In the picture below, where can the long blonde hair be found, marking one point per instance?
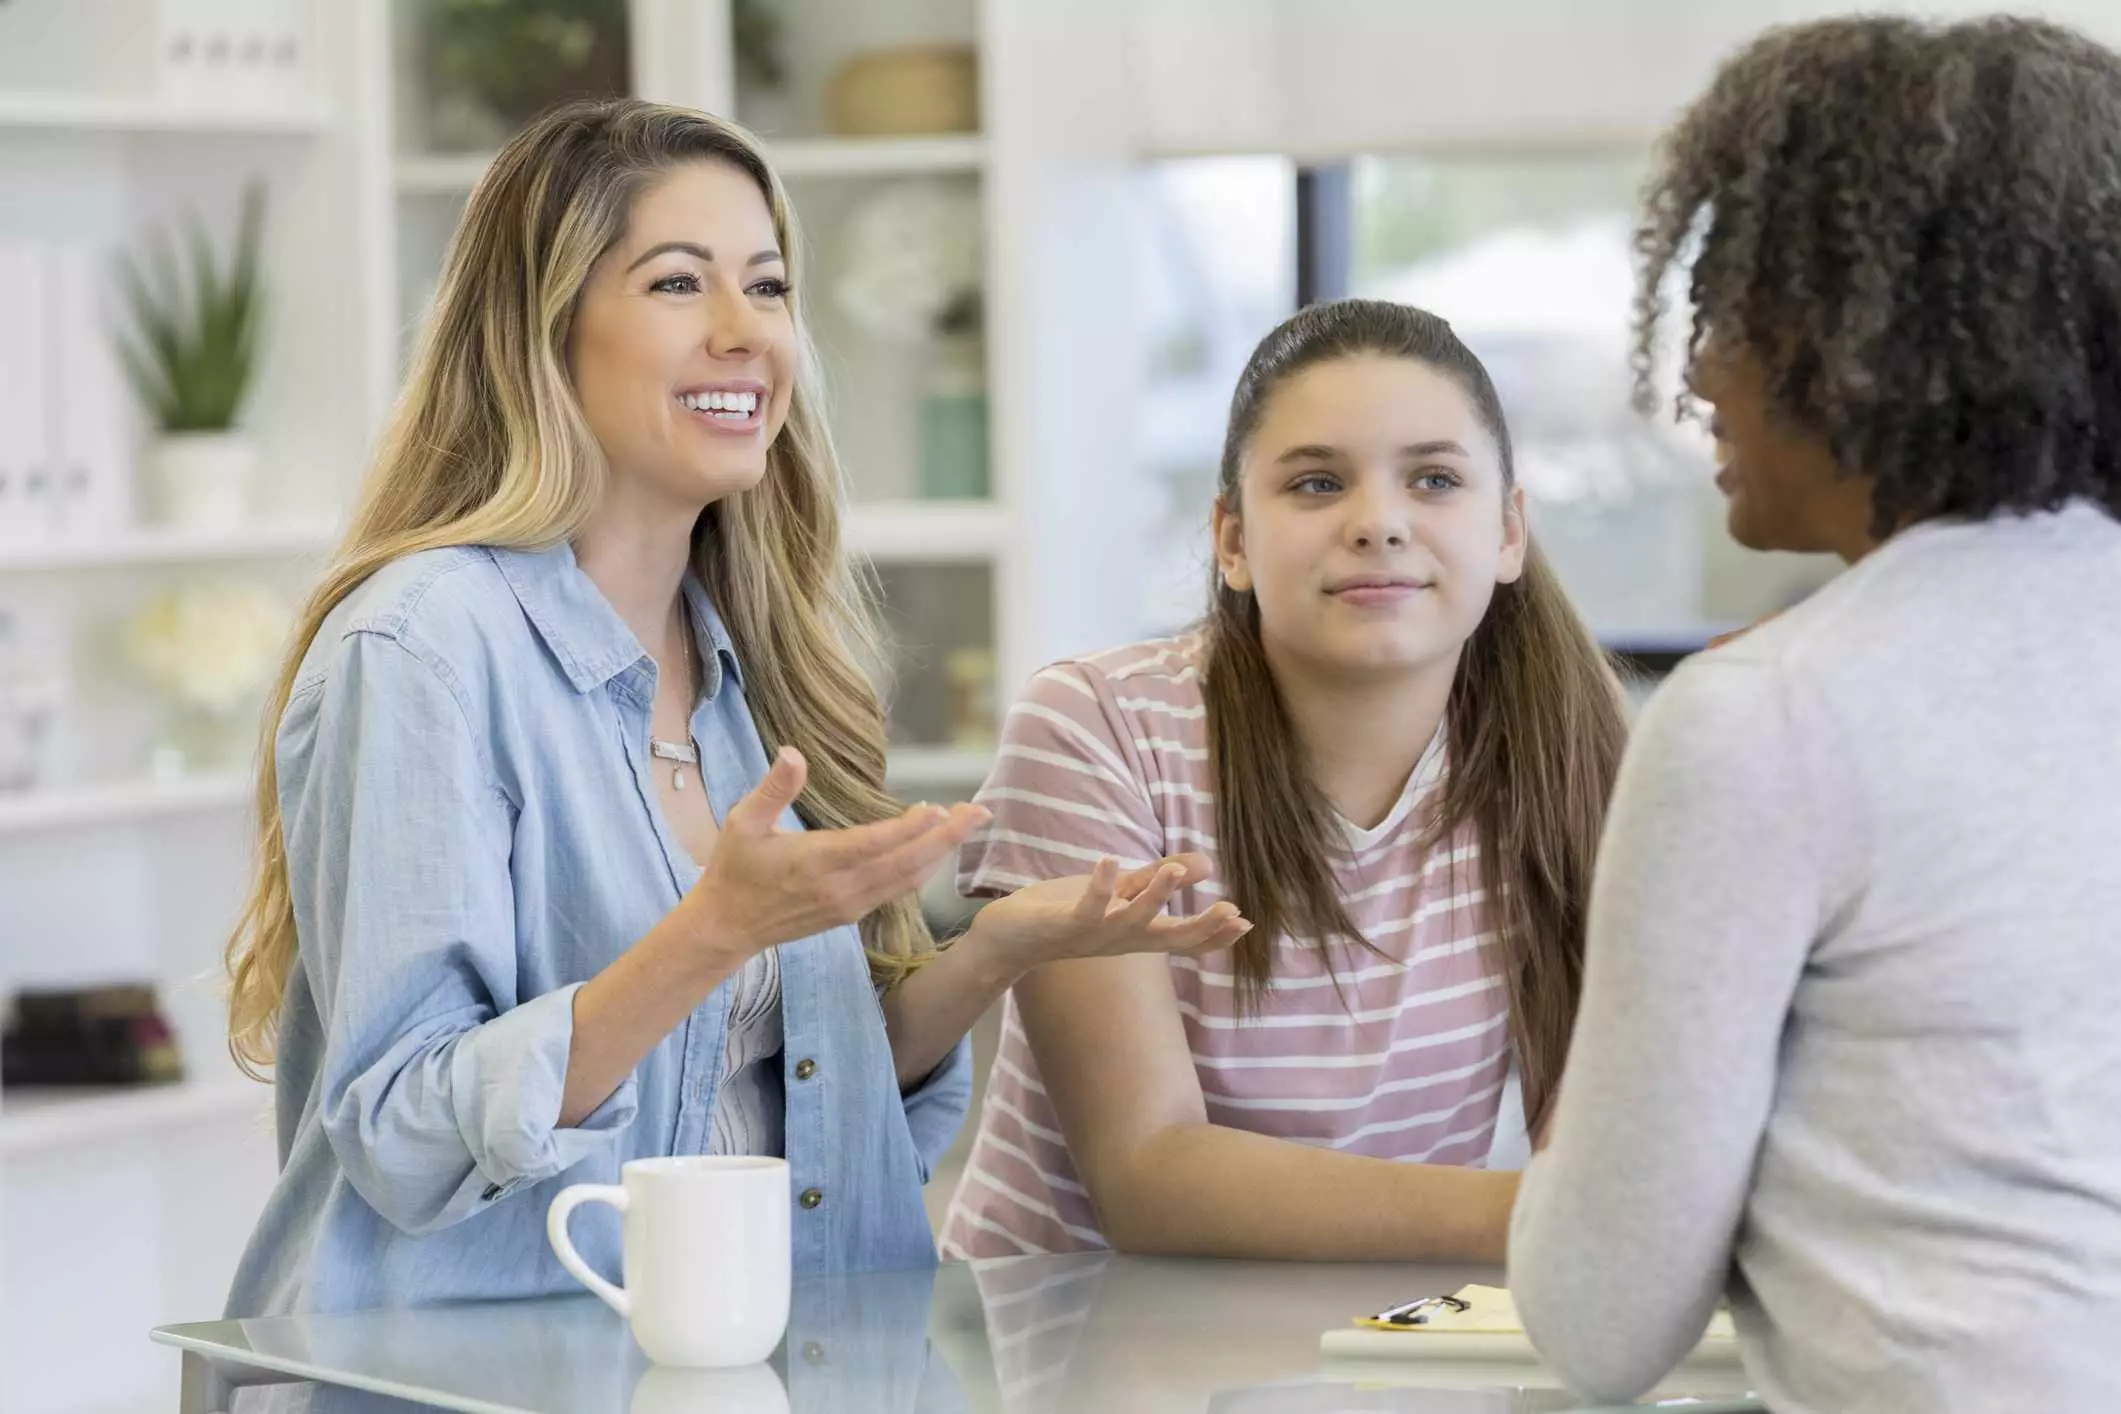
(488, 446)
(1535, 731)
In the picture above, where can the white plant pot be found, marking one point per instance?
(201, 480)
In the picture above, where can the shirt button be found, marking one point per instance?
(813, 1353)
(805, 1068)
(811, 1198)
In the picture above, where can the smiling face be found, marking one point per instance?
(1783, 488)
(684, 348)
(1373, 519)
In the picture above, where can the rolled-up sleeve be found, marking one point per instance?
(441, 1085)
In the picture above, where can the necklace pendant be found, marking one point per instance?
(677, 779)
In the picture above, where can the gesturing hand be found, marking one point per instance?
(764, 885)
(1107, 914)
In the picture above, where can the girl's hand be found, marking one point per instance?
(1106, 914)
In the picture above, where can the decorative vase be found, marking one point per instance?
(201, 480)
(973, 720)
(32, 696)
(196, 740)
(953, 424)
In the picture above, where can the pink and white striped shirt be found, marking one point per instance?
(1108, 755)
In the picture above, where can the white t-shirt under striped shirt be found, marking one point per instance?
(1108, 755)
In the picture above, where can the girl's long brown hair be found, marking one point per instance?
(488, 446)
(1535, 730)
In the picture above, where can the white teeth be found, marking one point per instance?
(739, 404)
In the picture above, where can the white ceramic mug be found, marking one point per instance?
(707, 1251)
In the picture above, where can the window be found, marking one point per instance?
(1530, 259)
(1218, 271)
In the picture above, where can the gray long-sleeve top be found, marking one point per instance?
(1850, 1045)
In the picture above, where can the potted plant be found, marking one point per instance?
(191, 359)
(493, 65)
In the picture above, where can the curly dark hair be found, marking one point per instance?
(1916, 229)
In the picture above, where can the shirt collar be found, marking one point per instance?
(587, 636)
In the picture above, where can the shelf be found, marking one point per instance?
(878, 157)
(926, 532)
(441, 175)
(39, 1120)
(455, 174)
(119, 802)
(88, 112)
(915, 766)
(151, 546)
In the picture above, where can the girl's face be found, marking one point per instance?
(683, 351)
(1372, 522)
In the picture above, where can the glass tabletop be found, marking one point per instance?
(1032, 1335)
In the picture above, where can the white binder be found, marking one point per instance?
(26, 475)
(93, 406)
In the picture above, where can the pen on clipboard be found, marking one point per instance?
(1408, 1315)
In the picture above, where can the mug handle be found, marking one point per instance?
(570, 1198)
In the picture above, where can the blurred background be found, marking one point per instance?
(1040, 241)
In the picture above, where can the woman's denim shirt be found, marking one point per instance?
(472, 832)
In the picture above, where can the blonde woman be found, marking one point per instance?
(574, 846)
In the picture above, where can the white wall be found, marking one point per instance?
(1321, 77)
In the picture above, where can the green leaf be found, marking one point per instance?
(197, 331)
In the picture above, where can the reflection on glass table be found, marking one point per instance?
(1034, 1335)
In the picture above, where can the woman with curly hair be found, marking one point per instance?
(1846, 1050)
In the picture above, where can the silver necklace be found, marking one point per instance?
(682, 753)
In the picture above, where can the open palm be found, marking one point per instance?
(1106, 913)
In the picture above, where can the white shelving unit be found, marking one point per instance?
(119, 802)
(877, 157)
(144, 1197)
(914, 768)
(440, 175)
(48, 1121)
(934, 532)
(63, 112)
(140, 878)
(152, 546)
(457, 174)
